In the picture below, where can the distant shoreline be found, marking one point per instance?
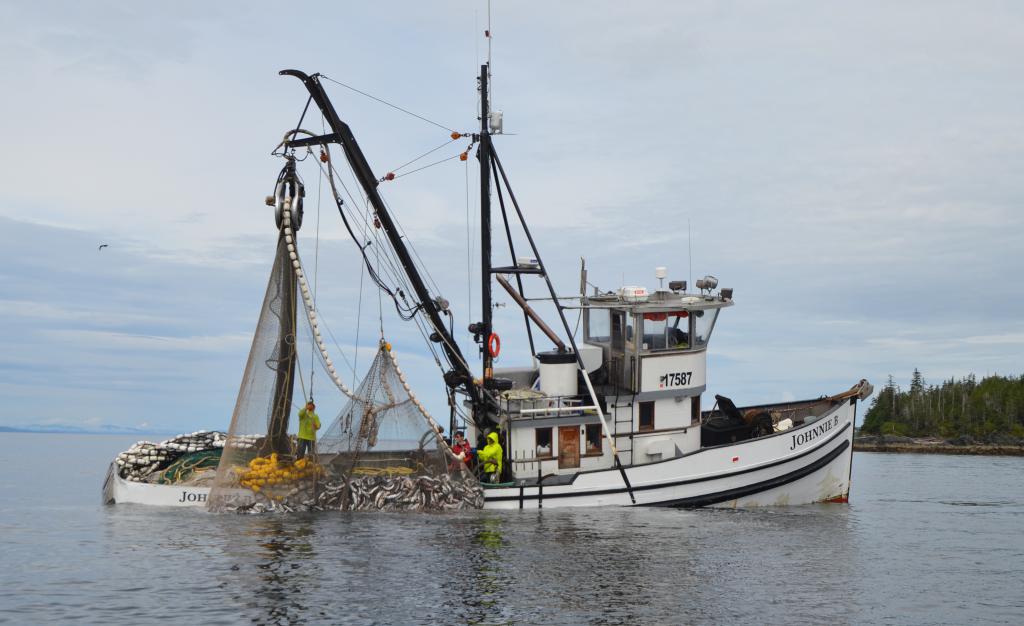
(934, 446)
(68, 431)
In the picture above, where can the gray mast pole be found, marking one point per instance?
(484, 156)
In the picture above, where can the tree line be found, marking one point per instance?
(990, 408)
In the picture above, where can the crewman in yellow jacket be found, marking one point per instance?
(491, 458)
(309, 423)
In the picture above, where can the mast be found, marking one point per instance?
(342, 135)
(289, 195)
(484, 156)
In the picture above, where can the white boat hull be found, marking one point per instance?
(800, 466)
(117, 490)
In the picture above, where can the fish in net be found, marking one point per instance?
(382, 452)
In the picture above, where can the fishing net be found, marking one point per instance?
(184, 459)
(382, 452)
(258, 436)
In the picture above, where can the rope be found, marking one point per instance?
(420, 169)
(359, 317)
(182, 469)
(316, 250)
(383, 471)
(393, 106)
(428, 152)
(307, 300)
(434, 426)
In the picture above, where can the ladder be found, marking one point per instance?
(623, 427)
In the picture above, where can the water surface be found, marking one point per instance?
(926, 539)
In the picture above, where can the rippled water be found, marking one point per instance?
(925, 539)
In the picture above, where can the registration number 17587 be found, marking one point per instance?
(675, 379)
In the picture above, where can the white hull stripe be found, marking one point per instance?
(689, 481)
(749, 490)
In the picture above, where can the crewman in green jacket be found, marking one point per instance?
(491, 458)
(309, 423)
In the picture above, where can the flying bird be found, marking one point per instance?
(102, 245)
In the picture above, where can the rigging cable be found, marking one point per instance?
(316, 254)
(406, 315)
(420, 169)
(455, 137)
(359, 317)
(422, 267)
(393, 106)
(399, 276)
(395, 275)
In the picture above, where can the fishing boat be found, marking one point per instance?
(616, 416)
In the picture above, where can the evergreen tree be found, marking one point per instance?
(990, 409)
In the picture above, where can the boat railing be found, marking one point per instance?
(544, 407)
(526, 460)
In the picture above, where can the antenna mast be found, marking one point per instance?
(484, 329)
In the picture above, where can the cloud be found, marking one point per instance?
(100, 340)
(852, 172)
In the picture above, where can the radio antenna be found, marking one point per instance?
(689, 250)
(489, 72)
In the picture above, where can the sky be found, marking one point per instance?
(851, 170)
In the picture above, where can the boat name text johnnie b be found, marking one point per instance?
(192, 496)
(800, 439)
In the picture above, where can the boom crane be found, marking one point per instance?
(483, 402)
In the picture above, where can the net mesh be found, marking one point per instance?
(381, 452)
(259, 425)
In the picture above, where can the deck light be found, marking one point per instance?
(677, 285)
(707, 283)
(727, 293)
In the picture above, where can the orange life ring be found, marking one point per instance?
(494, 345)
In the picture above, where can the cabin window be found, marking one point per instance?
(654, 331)
(599, 328)
(703, 323)
(668, 330)
(543, 444)
(594, 439)
(618, 321)
(678, 332)
(695, 410)
(646, 416)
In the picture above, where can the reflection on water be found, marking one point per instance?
(915, 529)
(491, 575)
(287, 569)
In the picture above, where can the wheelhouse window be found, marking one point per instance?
(599, 327)
(543, 442)
(703, 324)
(646, 416)
(619, 330)
(654, 331)
(666, 330)
(594, 439)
